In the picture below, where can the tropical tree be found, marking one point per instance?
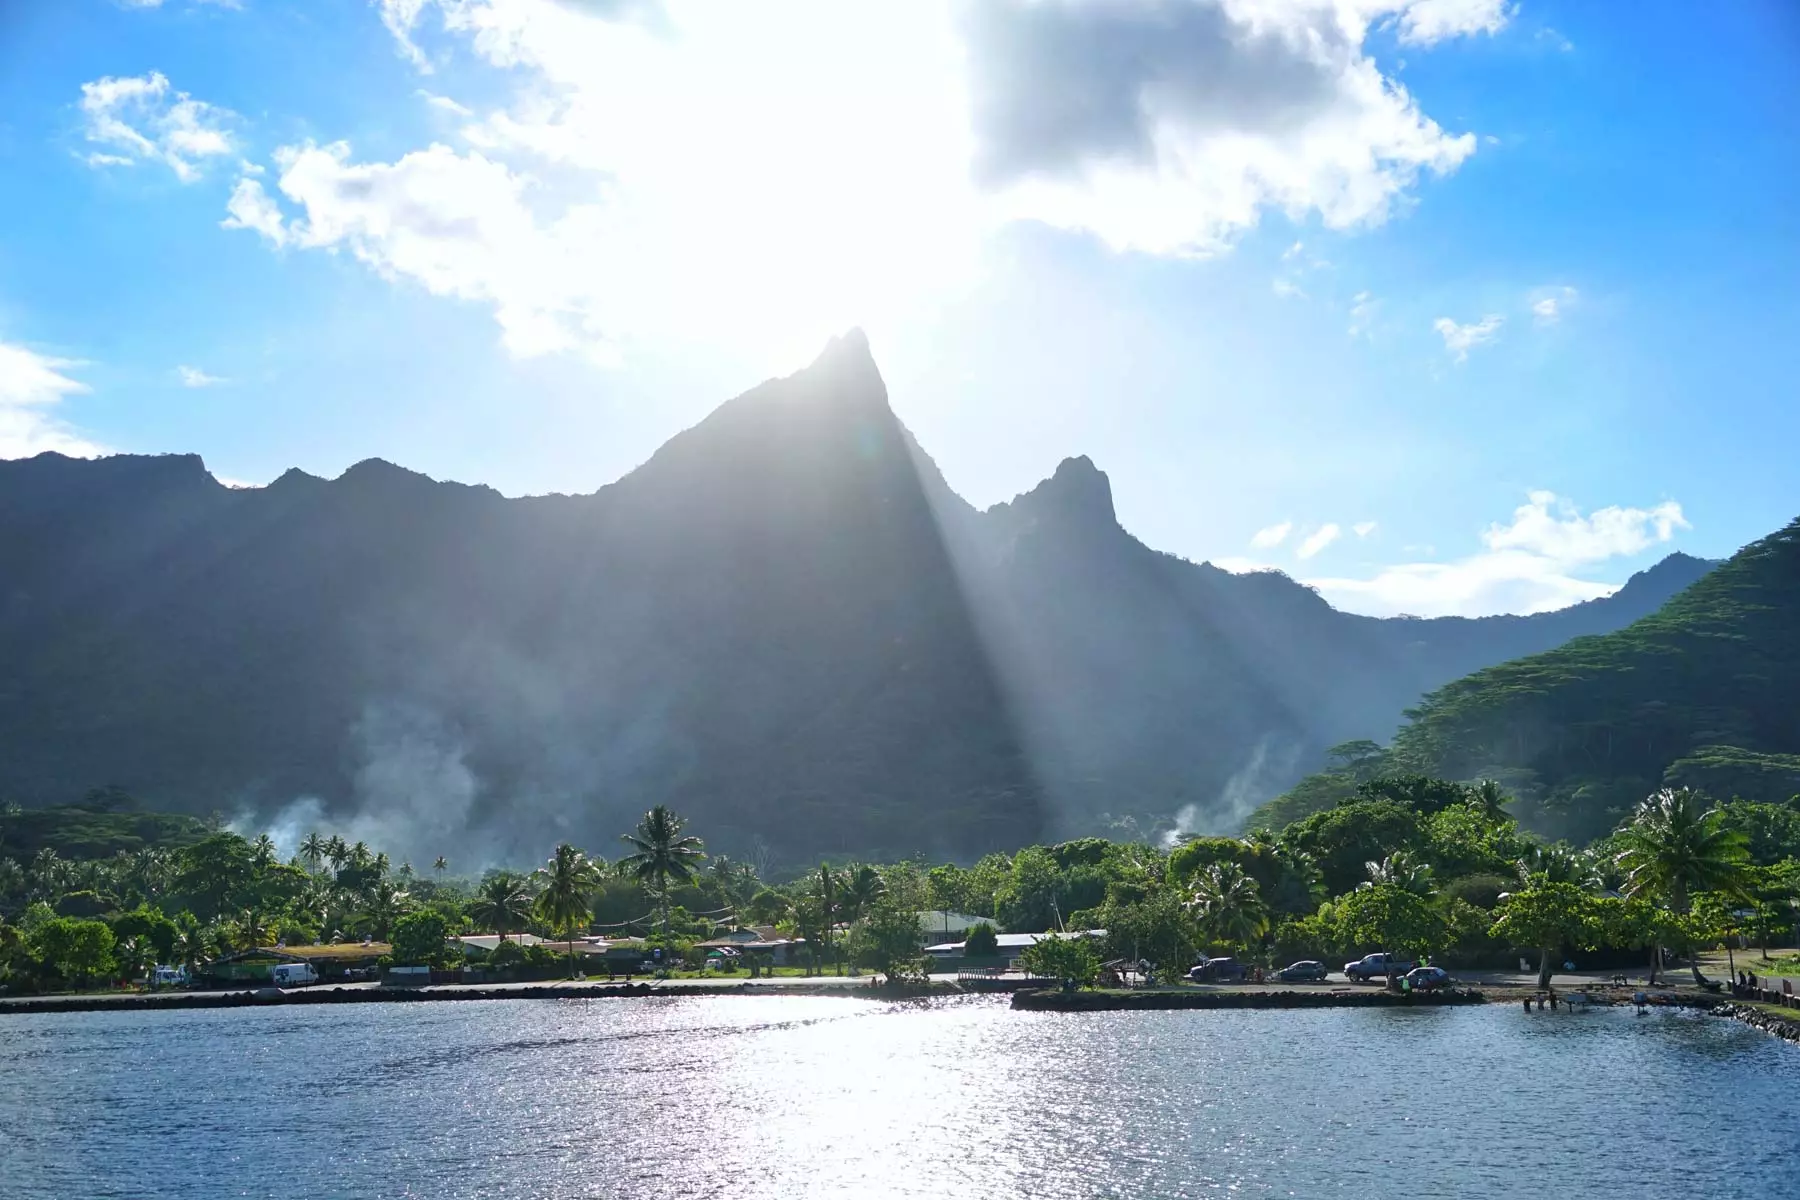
(313, 851)
(440, 865)
(385, 903)
(1227, 906)
(1402, 869)
(1547, 914)
(502, 903)
(1055, 956)
(1672, 848)
(662, 855)
(1390, 918)
(863, 886)
(337, 853)
(567, 884)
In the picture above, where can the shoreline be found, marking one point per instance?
(1158, 1000)
(272, 997)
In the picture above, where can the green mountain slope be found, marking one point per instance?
(1701, 693)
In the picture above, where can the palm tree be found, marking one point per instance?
(863, 886)
(828, 909)
(385, 904)
(569, 882)
(1402, 870)
(502, 903)
(194, 943)
(1671, 848)
(313, 850)
(336, 852)
(1491, 798)
(440, 866)
(1227, 905)
(262, 852)
(661, 855)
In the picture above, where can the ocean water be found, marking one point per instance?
(788, 1097)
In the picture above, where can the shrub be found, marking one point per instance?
(981, 941)
(1071, 960)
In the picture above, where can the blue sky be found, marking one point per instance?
(1442, 305)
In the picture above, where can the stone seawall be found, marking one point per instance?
(1056, 1000)
(269, 996)
(1782, 1026)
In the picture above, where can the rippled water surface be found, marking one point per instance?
(783, 1097)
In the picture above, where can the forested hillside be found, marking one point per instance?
(1700, 694)
(785, 622)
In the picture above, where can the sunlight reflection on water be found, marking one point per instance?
(775, 1097)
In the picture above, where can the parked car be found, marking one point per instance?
(1370, 965)
(1216, 970)
(1427, 979)
(1295, 972)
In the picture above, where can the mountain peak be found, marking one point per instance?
(1078, 493)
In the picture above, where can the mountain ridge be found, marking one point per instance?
(784, 620)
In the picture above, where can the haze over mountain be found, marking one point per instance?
(785, 623)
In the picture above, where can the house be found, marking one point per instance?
(763, 940)
(1011, 945)
(330, 961)
(940, 925)
(479, 945)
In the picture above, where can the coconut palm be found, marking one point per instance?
(1558, 863)
(1227, 906)
(502, 903)
(440, 865)
(385, 903)
(194, 942)
(661, 855)
(567, 886)
(1671, 848)
(863, 886)
(1404, 871)
(336, 852)
(312, 850)
(828, 910)
(1491, 798)
(263, 854)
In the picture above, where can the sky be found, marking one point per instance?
(1441, 306)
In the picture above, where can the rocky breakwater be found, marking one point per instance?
(1782, 1025)
(1158, 999)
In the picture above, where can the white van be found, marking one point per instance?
(292, 974)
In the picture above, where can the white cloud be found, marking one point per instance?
(716, 210)
(1570, 539)
(1272, 535)
(1548, 308)
(1460, 339)
(1287, 289)
(32, 384)
(400, 16)
(1317, 540)
(1429, 21)
(1363, 529)
(194, 377)
(142, 119)
(251, 208)
(1168, 126)
(1292, 251)
(445, 104)
(1529, 564)
(1362, 313)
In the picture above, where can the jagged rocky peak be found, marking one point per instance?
(1079, 493)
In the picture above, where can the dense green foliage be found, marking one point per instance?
(1696, 695)
(1404, 864)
